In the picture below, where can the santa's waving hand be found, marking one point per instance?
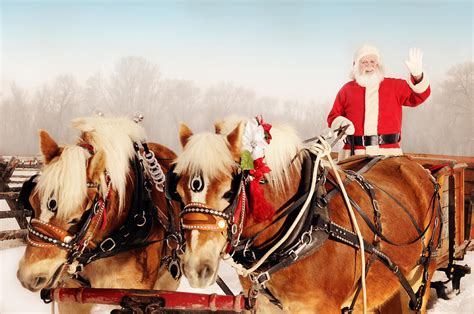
(415, 63)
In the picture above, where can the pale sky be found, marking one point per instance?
(297, 50)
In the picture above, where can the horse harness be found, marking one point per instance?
(141, 220)
(313, 230)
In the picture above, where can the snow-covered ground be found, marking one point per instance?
(15, 299)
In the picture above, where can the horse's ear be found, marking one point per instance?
(184, 134)
(235, 141)
(218, 126)
(96, 166)
(49, 148)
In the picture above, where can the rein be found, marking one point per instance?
(44, 235)
(141, 220)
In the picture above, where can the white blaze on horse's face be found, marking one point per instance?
(214, 157)
(39, 265)
(201, 258)
(42, 261)
(198, 185)
(202, 255)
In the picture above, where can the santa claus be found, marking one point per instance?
(371, 105)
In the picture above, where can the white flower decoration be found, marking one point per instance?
(254, 139)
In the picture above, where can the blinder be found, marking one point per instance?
(171, 183)
(25, 193)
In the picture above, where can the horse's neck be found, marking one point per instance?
(277, 198)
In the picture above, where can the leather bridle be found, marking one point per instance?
(228, 222)
(46, 235)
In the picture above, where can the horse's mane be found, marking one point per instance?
(67, 175)
(209, 152)
(65, 180)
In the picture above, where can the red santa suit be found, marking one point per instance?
(377, 110)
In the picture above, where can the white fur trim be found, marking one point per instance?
(371, 110)
(365, 50)
(421, 86)
(345, 153)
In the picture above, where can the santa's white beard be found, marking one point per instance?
(368, 79)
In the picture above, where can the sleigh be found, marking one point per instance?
(456, 184)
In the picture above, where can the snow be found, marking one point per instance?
(15, 299)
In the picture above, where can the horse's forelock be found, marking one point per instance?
(206, 152)
(65, 179)
(115, 137)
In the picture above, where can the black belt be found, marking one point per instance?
(370, 140)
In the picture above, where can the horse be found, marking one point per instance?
(100, 212)
(312, 265)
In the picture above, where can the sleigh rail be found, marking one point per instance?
(148, 301)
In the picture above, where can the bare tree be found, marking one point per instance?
(177, 101)
(16, 126)
(457, 97)
(56, 104)
(443, 125)
(134, 85)
(225, 98)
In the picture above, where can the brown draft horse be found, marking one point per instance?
(93, 217)
(325, 280)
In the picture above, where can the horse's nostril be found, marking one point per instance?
(206, 271)
(40, 281)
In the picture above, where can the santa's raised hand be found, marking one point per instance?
(415, 62)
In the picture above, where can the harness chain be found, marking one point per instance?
(133, 234)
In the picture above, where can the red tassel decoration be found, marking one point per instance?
(261, 209)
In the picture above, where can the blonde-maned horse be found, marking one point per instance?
(314, 272)
(98, 212)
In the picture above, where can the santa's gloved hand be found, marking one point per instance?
(340, 122)
(415, 62)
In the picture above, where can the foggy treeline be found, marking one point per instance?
(443, 125)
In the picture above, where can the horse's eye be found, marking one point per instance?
(228, 195)
(52, 205)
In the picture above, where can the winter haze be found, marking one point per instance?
(196, 61)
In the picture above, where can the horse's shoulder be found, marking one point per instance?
(162, 151)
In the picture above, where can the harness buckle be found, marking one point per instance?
(96, 207)
(294, 253)
(260, 279)
(143, 218)
(112, 246)
(74, 267)
(306, 237)
(176, 238)
(234, 229)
